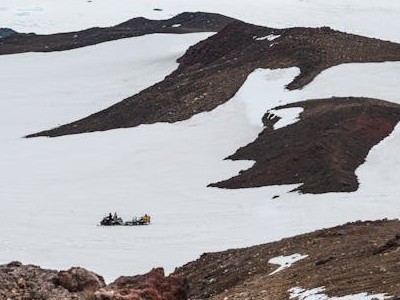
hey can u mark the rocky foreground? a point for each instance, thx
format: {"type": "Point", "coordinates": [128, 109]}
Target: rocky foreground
{"type": "Point", "coordinates": [25, 282]}
{"type": "Point", "coordinates": [360, 257]}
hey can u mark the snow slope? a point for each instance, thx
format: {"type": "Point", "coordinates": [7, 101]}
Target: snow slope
{"type": "Point", "coordinates": [367, 17]}
{"type": "Point", "coordinates": [54, 191]}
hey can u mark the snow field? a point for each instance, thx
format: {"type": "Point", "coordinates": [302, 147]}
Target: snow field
{"type": "Point", "coordinates": [58, 189]}
{"type": "Point", "coordinates": [54, 191]}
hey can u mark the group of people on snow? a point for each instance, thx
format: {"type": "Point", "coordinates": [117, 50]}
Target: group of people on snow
{"type": "Point", "coordinates": [111, 219]}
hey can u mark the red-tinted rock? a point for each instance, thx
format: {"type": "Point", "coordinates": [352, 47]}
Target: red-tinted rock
{"type": "Point", "coordinates": [322, 150]}
{"type": "Point", "coordinates": [80, 280]}
{"type": "Point", "coordinates": [151, 286]}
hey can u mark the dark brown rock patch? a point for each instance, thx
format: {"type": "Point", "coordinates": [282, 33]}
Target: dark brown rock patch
{"type": "Point", "coordinates": [152, 286]}
{"type": "Point", "coordinates": [12, 42]}
{"type": "Point", "coordinates": [322, 150]}
{"type": "Point", "coordinates": [28, 282]}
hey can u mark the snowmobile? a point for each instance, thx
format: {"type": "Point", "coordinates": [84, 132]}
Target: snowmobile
{"type": "Point", "coordinates": [107, 221]}
{"type": "Point", "coordinates": [111, 221]}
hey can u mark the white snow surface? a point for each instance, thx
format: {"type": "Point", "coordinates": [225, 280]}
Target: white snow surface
{"type": "Point", "coordinates": [269, 37]}
{"type": "Point", "coordinates": [285, 262]}
{"type": "Point", "coordinates": [367, 17]}
{"type": "Point", "coordinates": [316, 294]}
{"type": "Point", "coordinates": [288, 116]}
{"type": "Point", "coordinates": [54, 191]}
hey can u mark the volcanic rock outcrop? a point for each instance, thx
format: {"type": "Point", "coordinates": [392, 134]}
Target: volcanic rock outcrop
{"type": "Point", "coordinates": [212, 71]}
{"type": "Point", "coordinates": [153, 286]}
{"type": "Point", "coordinates": [19, 281]}
{"type": "Point", "coordinates": [182, 23]}
{"type": "Point", "coordinates": [322, 150]}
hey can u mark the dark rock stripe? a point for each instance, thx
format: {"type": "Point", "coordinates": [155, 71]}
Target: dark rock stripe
{"type": "Point", "coordinates": [190, 22]}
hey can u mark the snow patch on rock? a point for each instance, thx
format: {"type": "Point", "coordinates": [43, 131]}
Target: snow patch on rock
{"type": "Point", "coordinates": [285, 261]}
{"type": "Point", "coordinates": [316, 294]}
{"type": "Point", "coordinates": [269, 37]}
{"type": "Point", "coordinates": [288, 116]}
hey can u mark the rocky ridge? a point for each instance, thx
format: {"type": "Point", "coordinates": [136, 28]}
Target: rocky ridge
{"type": "Point", "coordinates": [212, 71]}
{"type": "Point", "coordinates": [182, 23]}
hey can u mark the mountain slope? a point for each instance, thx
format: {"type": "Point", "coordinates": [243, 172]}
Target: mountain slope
{"type": "Point", "coordinates": [211, 72]}
{"type": "Point", "coordinates": [354, 258]}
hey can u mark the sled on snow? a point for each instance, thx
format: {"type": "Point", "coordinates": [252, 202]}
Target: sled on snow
{"type": "Point", "coordinates": [107, 221]}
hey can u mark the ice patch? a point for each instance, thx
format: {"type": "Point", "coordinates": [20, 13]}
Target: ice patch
{"type": "Point", "coordinates": [316, 294]}
{"type": "Point", "coordinates": [285, 261]}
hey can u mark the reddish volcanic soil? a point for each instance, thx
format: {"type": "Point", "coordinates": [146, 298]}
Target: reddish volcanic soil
{"type": "Point", "coordinates": [322, 150]}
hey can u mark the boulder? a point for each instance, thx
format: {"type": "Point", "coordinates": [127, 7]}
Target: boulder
{"type": "Point", "coordinates": [151, 286]}
{"type": "Point", "coordinates": [77, 280]}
